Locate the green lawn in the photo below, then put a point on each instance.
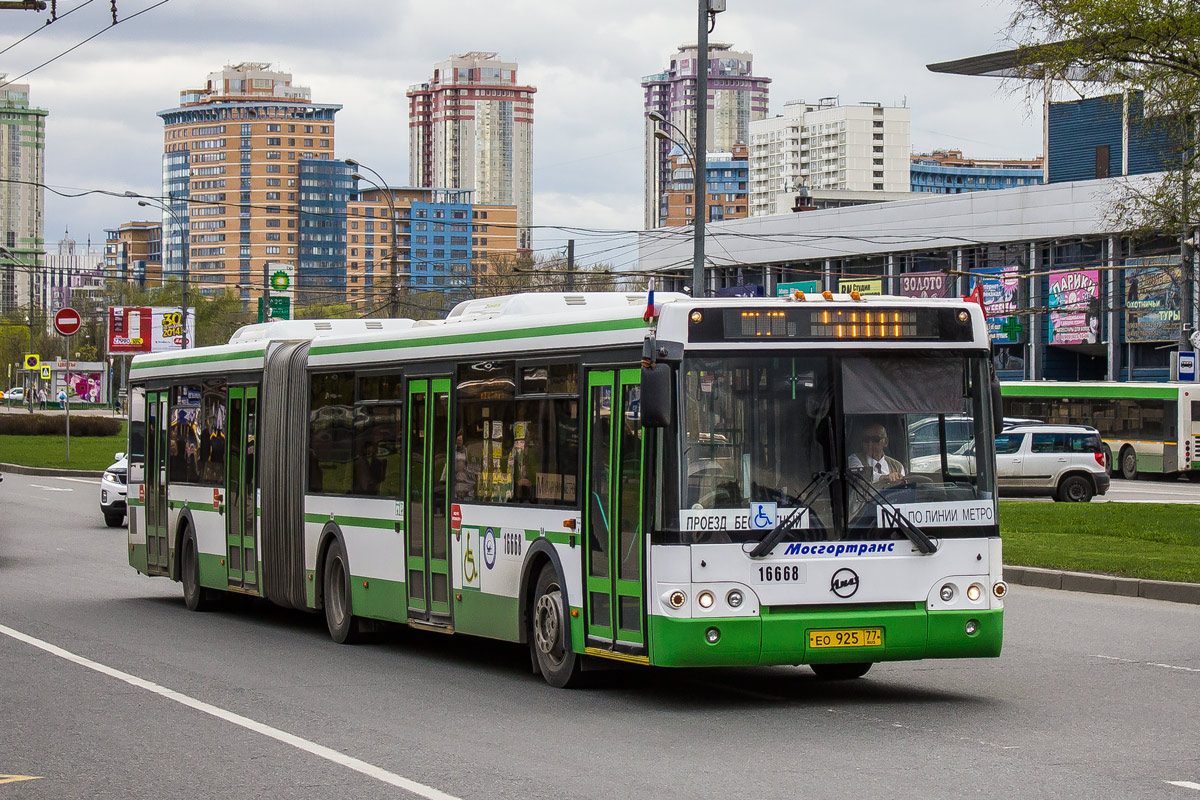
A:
(87, 452)
(1135, 540)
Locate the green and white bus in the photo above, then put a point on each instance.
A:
(1148, 427)
(684, 483)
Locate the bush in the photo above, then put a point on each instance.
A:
(56, 425)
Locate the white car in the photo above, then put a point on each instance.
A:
(112, 492)
(17, 393)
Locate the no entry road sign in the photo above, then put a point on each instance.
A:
(67, 321)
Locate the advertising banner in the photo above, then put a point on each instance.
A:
(999, 298)
(85, 386)
(861, 285)
(924, 284)
(1074, 300)
(808, 287)
(1152, 299)
(148, 329)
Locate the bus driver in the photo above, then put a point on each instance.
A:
(883, 469)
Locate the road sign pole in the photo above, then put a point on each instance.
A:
(68, 394)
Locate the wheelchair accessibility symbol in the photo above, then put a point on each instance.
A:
(763, 516)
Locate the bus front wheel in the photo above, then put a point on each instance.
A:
(559, 665)
(1129, 470)
(339, 614)
(840, 672)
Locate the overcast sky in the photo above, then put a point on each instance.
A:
(586, 60)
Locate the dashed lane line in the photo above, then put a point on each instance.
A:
(1146, 663)
(50, 488)
(1184, 784)
(89, 481)
(321, 751)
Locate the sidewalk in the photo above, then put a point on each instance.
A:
(52, 408)
(1103, 584)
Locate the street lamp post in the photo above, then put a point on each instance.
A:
(8, 254)
(700, 188)
(150, 202)
(393, 265)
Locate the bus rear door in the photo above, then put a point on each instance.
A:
(157, 554)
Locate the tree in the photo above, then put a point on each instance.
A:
(514, 274)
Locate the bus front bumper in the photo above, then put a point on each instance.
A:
(782, 637)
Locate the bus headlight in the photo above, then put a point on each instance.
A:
(676, 599)
(734, 598)
(947, 592)
(712, 636)
(974, 591)
(972, 627)
(1000, 589)
(705, 599)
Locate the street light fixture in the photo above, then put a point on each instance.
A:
(152, 202)
(393, 266)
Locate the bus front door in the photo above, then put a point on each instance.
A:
(427, 511)
(157, 553)
(241, 484)
(613, 513)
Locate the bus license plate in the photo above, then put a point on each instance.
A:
(846, 637)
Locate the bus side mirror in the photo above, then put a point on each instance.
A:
(997, 406)
(656, 396)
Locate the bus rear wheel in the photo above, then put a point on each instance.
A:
(840, 672)
(1129, 470)
(339, 613)
(548, 633)
(195, 596)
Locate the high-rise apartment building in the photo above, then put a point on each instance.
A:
(71, 272)
(471, 127)
(443, 242)
(736, 97)
(22, 172)
(249, 171)
(826, 145)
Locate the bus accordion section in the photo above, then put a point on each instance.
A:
(724, 481)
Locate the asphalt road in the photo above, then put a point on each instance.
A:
(1094, 696)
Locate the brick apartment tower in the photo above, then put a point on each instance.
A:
(471, 127)
(248, 166)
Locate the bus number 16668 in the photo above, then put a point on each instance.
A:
(779, 573)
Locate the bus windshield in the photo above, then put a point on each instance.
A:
(841, 436)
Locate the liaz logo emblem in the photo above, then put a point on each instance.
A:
(844, 583)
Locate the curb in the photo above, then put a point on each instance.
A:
(1103, 584)
(17, 469)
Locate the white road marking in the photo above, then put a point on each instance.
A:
(1146, 663)
(89, 481)
(329, 754)
(51, 488)
(1184, 784)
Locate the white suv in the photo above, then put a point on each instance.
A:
(1064, 461)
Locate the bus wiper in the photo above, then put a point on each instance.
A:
(915, 534)
(803, 503)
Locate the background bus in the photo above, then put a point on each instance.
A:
(1150, 428)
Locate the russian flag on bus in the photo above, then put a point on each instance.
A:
(652, 310)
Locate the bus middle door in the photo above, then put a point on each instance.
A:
(241, 484)
(157, 552)
(427, 510)
(613, 513)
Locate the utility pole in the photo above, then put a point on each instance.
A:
(700, 168)
(570, 265)
(30, 382)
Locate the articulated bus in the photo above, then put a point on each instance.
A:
(1147, 427)
(693, 482)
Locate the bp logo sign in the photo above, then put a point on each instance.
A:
(280, 281)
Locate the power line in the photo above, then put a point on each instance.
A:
(46, 25)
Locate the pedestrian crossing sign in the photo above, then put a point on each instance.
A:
(32, 361)
(46, 372)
